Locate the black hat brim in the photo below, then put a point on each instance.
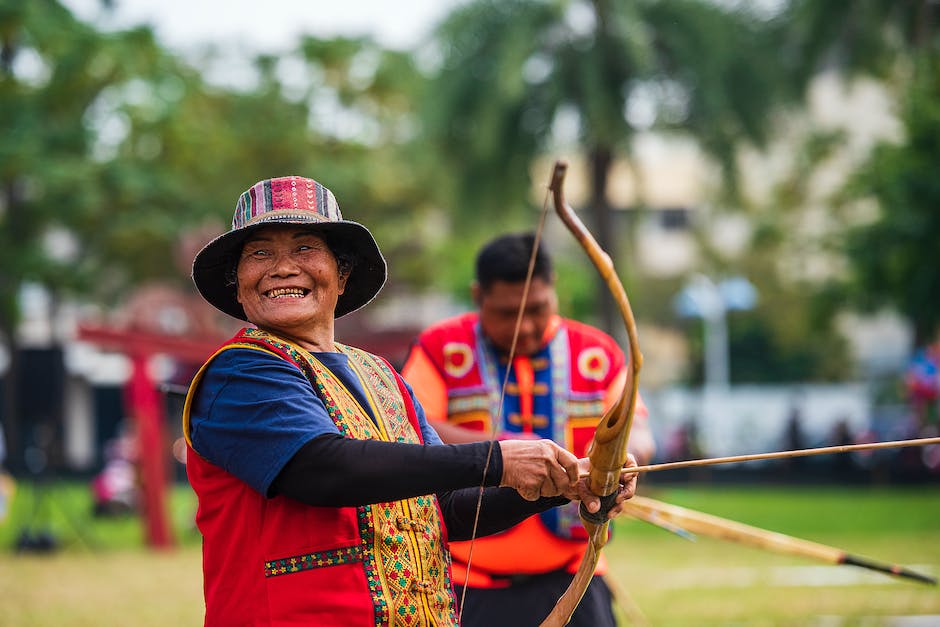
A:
(214, 265)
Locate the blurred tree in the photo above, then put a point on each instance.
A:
(363, 112)
(865, 36)
(154, 150)
(791, 334)
(893, 252)
(512, 71)
(53, 72)
(114, 150)
(186, 152)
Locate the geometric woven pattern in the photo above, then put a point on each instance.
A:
(402, 552)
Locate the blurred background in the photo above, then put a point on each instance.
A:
(764, 175)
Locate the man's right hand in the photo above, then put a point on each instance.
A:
(537, 468)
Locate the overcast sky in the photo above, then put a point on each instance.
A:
(240, 29)
(269, 25)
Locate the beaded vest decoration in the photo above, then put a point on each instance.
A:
(401, 547)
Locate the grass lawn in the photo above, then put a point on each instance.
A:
(102, 576)
(673, 581)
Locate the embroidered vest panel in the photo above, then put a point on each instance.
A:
(380, 564)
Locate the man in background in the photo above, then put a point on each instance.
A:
(563, 376)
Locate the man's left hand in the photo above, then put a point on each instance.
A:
(581, 491)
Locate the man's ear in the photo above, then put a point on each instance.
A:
(476, 293)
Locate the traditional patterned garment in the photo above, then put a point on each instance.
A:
(277, 561)
(558, 393)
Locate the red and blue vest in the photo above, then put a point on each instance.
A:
(276, 561)
(559, 393)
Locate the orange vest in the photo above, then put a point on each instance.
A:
(451, 371)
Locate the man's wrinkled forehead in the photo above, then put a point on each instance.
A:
(299, 232)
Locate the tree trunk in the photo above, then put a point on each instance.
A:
(9, 317)
(600, 159)
(924, 28)
(10, 422)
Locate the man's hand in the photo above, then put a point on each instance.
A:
(581, 491)
(538, 468)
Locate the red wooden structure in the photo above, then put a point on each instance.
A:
(163, 320)
(144, 404)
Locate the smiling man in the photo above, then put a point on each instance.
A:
(289, 279)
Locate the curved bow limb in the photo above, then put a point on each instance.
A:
(608, 450)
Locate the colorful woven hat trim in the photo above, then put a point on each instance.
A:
(296, 195)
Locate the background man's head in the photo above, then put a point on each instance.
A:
(499, 291)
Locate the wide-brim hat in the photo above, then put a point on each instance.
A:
(289, 200)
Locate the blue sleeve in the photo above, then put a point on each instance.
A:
(428, 434)
(251, 414)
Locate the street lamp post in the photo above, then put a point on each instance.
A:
(703, 298)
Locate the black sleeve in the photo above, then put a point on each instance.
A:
(500, 509)
(333, 471)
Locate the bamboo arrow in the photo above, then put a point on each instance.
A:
(653, 518)
(713, 526)
(825, 450)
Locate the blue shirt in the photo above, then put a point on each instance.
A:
(253, 412)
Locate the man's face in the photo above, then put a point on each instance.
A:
(288, 280)
(499, 310)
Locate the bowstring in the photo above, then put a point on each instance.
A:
(530, 271)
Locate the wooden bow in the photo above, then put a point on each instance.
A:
(608, 450)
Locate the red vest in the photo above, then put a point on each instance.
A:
(277, 561)
(585, 363)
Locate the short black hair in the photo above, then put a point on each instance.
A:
(343, 250)
(506, 258)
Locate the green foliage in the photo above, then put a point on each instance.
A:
(866, 36)
(727, 66)
(122, 151)
(508, 67)
(895, 256)
(126, 149)
(791, 336)
(103, 150)
(509, 72)
(760, 353)
(892, 256)
(481, 116)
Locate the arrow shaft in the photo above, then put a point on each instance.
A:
(825, 450)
